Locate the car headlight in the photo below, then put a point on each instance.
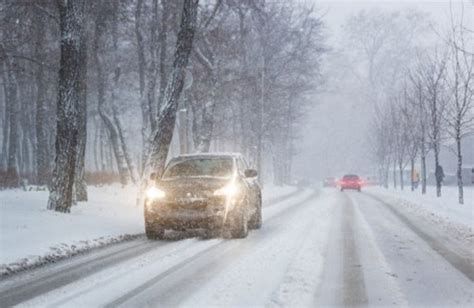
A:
(229, 191)
(154, 193)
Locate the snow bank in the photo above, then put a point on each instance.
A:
(444, 211)
(30, 235)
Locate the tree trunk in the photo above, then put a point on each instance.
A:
(126, 152)
(459, 167)
(71, 15)
(438, 179)
(108, 122)
(42, 146)
(163, 41)
(401, 170)
(203, 128)
(80, 181)
(412, 172)
(423, 167)
(394, 174)
(12, 178)
(141, 81)
(6, 121)
(152, 68)
(162, 135)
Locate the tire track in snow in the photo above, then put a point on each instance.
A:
(342, 282)
(208, 265)
(423, 276)
(377, 271)
(61, 275)
(303, 274)
(30, 288)
(463, 265)
(354, 291)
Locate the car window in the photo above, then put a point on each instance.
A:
(202, 167)
(351, 177)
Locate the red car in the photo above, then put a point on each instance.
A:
(350, 181)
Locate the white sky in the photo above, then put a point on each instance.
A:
(336, 11)
(330, 133)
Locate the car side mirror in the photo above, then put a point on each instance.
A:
(250, 173)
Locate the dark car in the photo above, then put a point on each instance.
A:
(350, 181)
(215, 192)
(329, 182)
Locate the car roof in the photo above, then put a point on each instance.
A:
(210, 155)
(350, 175)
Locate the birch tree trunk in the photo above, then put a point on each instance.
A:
(71, 15)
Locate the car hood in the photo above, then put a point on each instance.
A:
(192, 186)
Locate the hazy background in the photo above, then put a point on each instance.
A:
(334, 137)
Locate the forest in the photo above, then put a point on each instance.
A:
(101, 91)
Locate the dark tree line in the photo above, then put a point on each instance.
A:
(98, 85)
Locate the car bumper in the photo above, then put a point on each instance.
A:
(181, 218)
(351, 187)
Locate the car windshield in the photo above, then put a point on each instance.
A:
(351, 177)
(200, 167)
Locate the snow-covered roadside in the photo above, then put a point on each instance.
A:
(444, 211)
(30, 235)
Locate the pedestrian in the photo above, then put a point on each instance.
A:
(416, 179)
(439, 174)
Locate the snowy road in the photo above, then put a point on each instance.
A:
(316, 247)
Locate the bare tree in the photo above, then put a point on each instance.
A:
(161, 136)
(432, 76)
(42, 146)
(204, 112)
(411, 125)
(418, 100)
(459, 114)
(72, 43)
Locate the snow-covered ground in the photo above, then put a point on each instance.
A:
(31, 235)
(315, 248)
(446, 206)
(445, 211)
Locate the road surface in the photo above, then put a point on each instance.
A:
(316, 247)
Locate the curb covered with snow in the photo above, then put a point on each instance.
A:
(60, 252)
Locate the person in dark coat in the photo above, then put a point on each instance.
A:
(439, 174)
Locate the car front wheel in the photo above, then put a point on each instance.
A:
(256, 219)
(154, 231)
(238, 224)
